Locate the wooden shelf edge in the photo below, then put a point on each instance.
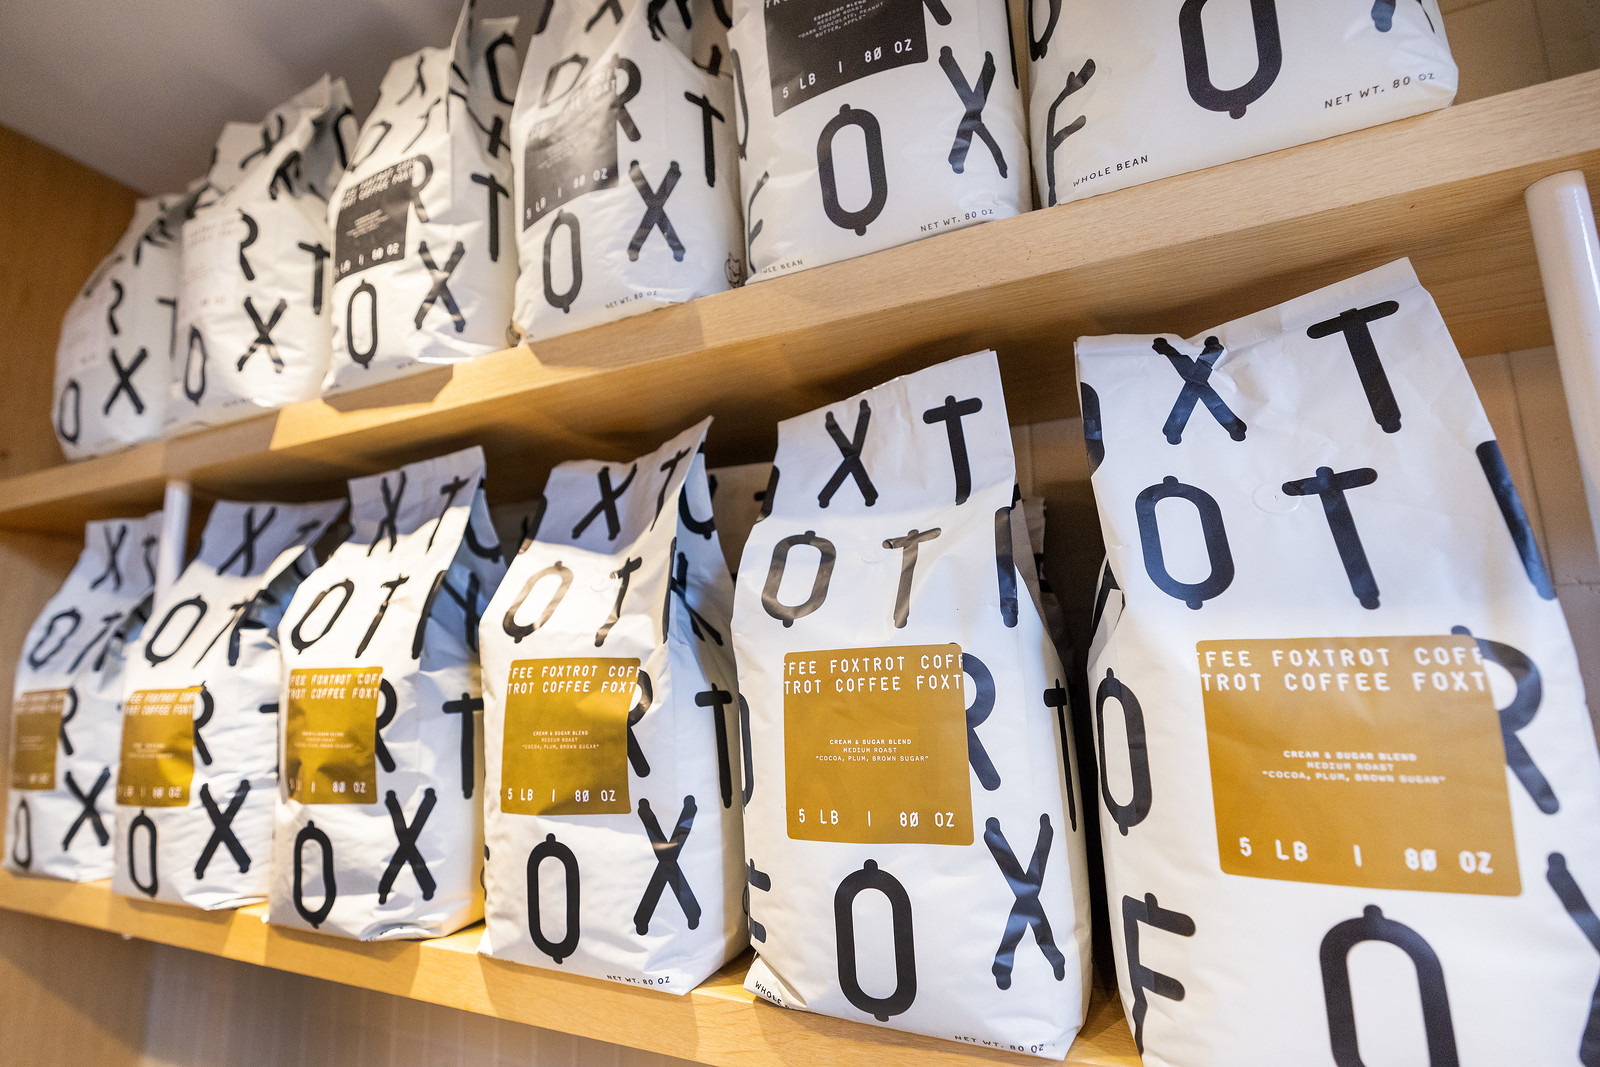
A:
(1182, 253)
(718, 1023)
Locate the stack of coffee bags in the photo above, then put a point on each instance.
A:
(199, 770)
(911, 818)
(253, 329)
(423, 260)
(114, 358)
(627, 194)
(1125, 93)
(614, 840)
(864, 129)
(1336, 702)
(379, 831)
(66, 704)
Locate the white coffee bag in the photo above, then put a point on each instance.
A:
(66, 707)
(379, 830)
(923, 134)
(915, 853)
(253, 323)
(1127, 93)
(614, 844)
(1347, 770)
(423, 256)
(199, 764)
(114, 357)
(627, 192)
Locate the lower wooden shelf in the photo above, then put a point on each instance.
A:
(718, 1023)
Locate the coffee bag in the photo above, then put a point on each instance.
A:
(1346, 766)
(66, 705)
(1127, 93)
(199, 761)
(114, 357)
(614, 843)
(915, 853)
(379, 829)
(627, 193)
(253, 331)
(862, 128)
(423, 257)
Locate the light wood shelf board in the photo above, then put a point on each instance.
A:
(1176, 255)
(718, 1023)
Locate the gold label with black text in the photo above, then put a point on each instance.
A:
(875, 745)
(1374, 762)
(330, 735)
(565, 750)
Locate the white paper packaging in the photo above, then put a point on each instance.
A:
(862, 131)
(915, 853)
(379, 829)
(199, 760)
(423, 257)
(613, 627)
(66, 705)
(627, 190)
(114, 357)
(1348, 771)
(253, 319)
(1124, 93)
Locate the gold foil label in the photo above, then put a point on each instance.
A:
(1374, 762)
(157, 748)
(37, 719)
(331, 734)
(875, 745)
(565, 750)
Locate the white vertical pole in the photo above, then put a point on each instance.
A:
(174, 534)
(1569, 264)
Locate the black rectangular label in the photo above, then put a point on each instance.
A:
(817, 45)
(372, 220)
(573, 151)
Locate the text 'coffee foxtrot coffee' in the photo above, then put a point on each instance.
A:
(1350, 789)
(611, 711)
(916, 856)
(199, 761)
(379, 831)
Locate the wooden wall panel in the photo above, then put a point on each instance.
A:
(70, 996)
(58, 219)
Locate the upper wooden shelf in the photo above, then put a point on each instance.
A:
(1176, 255)
(718, 1023)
